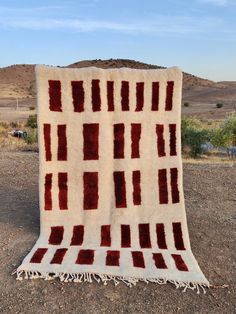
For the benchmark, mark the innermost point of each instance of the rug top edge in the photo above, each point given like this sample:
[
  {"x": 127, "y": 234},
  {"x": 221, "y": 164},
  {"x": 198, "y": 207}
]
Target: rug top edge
[{"x": 40, "y": 67}]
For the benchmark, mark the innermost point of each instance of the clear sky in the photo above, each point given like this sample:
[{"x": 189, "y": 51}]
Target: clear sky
[{"x": 199, "y": 36}]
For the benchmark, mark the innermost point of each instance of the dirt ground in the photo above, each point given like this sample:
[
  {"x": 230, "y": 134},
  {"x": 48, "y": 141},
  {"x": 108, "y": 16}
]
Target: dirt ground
[{"x": 211, "y": 212}]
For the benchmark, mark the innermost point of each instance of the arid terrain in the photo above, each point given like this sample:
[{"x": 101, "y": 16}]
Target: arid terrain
[
  {"x": 210, "y": 206},
  {"x": 18, "y": 82},
  {"x": 210, "y": 193}
]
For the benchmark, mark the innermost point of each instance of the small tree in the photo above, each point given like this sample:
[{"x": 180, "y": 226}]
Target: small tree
[
  {"x": 193, "y": 136},
  {"x": 219, "y": 105},
  {"x": 186, "y": 104},
  {"x": 32, "y": 121}
]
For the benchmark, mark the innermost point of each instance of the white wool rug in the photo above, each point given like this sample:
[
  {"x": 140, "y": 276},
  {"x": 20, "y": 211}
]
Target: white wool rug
[{"x": 111, "y": 192}]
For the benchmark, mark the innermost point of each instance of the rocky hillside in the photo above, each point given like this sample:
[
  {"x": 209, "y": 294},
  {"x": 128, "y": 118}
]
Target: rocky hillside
[{"x": 19, "y": 81}]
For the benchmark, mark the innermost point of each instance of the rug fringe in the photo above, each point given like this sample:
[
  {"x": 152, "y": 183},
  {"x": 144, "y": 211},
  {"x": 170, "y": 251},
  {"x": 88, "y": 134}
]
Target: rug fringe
[{"x": 90, "y": 277}]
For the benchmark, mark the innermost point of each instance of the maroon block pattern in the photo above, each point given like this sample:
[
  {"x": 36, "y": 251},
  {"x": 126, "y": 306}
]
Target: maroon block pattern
[
  {"x": 96, "y": 97},
  {"x": 78, "y": 95},
  {"x": 179, "y": 262},
  {"x": 174, "y": 185},
  {"x": 125, "y": 236},
  {"x": 47, "y": 141},
  {"x": 91, "y": 141},
  {"x": 54, "y": 91},
  {"x": 78, "y": 235},
  {"x": 120, "y": 188},
  {"x": 160, "y": 140},
  {"x": 138, "y": 259},
  {"x": 38, "y": 255},
  {"x": 159, "y": 260},
  {"x": 85, "y": 257},
  {"x": 106, "y": 235},
  {"x": 136, "y": 179},
  {"x": 162, "y": 184},
  {"x": 172, "y": 130},
  {"x": 90, "y": 190},
  {"x": 113, "y": 258},
  {"x": 110, "y": 96},
  {"x": 58, "y": 256},
  {"x": 135, "y": 139},
  {"x": 161, "y": 238},
  {"x": 125, "y": 96},
  {"x": 56, "y": 235},
  {"x": 63, "y": 190},
  {"x": 144, "y": 236},
  {"x": 155, "y": 96},
  {"x": 178, "y": 236},
  {"x": 169, "y": 95},
  {"x": 48, "y": 192},
  {"x": 119, "y": 140},
  {"x": 62, "y": 142},
  {"x": 139, "y": 96}
]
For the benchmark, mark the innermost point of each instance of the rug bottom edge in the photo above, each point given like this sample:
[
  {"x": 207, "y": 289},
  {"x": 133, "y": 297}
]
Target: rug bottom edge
[{"x": 104, "y": 278}]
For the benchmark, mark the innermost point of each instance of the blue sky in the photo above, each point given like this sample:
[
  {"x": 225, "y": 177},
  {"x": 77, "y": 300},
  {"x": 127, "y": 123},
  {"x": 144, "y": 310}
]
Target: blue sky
[{"x": 199, "y": 36}]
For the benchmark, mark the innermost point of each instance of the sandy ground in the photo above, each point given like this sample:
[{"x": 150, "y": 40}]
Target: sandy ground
[{"x": 211, "y": 212}]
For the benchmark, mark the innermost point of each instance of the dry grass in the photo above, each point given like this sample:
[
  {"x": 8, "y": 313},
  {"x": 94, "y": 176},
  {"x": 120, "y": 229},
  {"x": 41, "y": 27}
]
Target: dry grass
[{"x": 10, "y": 143}]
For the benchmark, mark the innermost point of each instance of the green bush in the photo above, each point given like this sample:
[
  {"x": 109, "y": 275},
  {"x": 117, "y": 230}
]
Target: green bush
[
  {"x": 193, "y": 136},
  {"x": 32, "y": 121},
  {"x": 219, "y": 105},
  {"x": 32, "y": 137},
  {"x": 186, "y": 104}
]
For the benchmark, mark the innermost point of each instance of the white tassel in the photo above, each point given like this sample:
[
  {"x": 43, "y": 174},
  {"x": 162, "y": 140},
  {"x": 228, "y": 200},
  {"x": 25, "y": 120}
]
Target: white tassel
[{"x": 90, "y": 277}]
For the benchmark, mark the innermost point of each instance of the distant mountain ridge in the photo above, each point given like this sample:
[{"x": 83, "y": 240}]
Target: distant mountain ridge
[{"x": 19, "y": 81}]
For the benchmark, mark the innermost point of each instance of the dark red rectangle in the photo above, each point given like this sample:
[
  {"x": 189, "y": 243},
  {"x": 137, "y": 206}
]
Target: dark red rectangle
[
  {"x": 96, "y": 97},
  {"x": 62, "y": 142},
  {"x": 135, "y": 139},
  {"x": 47, "y": 141},
  {"x": 139, "y": 96},
  {"x": 125, "y": 236},
  {"x": 172, "y": 130},
  {"x": 178, "y": 236},
  {"x": 113, "y": 258},
  {"x": 90, "y": 190},
  {"x": 110, "y": 95},
  {"x": 144, "y": 236},
  {"x": 63, "y": 190},
  {"x": 58, "y": 256},
  {"x": 136, "y": 178},
  {"x": 161, "y": 238},
  {"x": 169, "y": 95},
  {"x": 56, "y": 235},
  {"x": 55, "y": 95},
  {"x": 159, "y": 260},
  {"x": 38, "y": 255},
  {"x": 160, "y": 140},
  {"x": 48, "y": 192},
  {"x": 174, "y": 185},
  {"x": 106, "y": 235},
  {"x": 91, "y": 144},
  {"x": 125, "y": 96},
  {"x": 119, "y": 141},
  {"x": 155, "y": 96},
  {"x": 120, "y": 188},
  {"x": 85, "y": 257},
  {"x": 78, "y": 235},
  {"x": 78, "y": 95},
  {"x": 163, "y": 189},
  {"x": 179, "y": 262},
  {"x": 138, "y": 259}
]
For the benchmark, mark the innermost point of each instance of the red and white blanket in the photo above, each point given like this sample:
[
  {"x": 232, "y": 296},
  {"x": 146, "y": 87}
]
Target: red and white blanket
[{"x": 111, "y": 193}]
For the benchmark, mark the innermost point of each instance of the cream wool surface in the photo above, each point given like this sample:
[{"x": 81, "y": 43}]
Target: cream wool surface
[{"x": 110, "y": 184}]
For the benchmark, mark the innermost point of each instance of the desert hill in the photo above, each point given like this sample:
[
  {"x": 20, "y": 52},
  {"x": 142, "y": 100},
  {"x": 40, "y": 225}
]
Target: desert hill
[{"x": 18, "y": 81}]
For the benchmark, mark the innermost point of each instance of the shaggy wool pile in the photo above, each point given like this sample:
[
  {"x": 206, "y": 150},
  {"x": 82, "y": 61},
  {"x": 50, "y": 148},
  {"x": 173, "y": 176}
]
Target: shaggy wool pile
[{"x": 111, "y": 193}]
